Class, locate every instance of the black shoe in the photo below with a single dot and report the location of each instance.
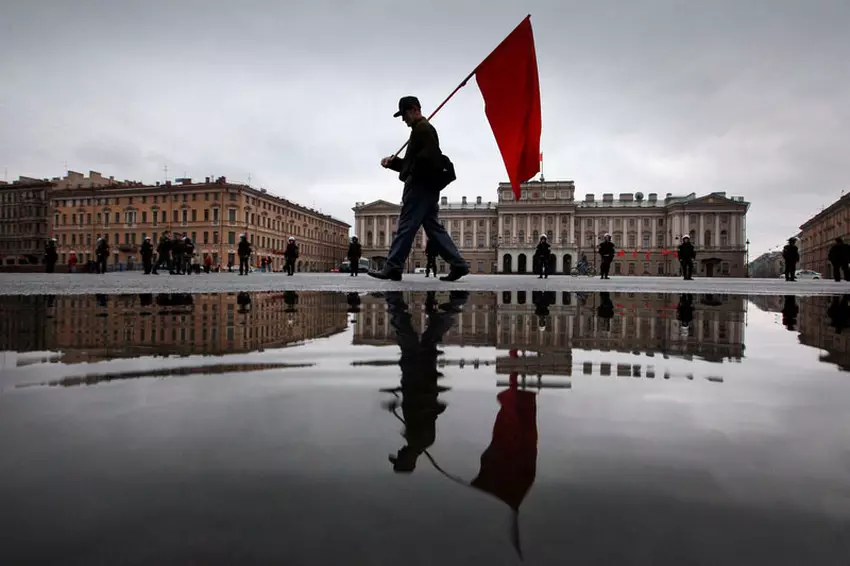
(455, 273)
(540, 277)
(386, 274)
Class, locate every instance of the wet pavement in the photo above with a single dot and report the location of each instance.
(136, 282)
(424, 428)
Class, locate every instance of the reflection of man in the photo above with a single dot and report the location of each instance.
(685, 311)
(605, 310)
(420, 406)
(542, 300)
(839, 313)
(790, 311)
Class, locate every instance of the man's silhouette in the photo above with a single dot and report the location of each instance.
(789, 312)
(605, 310)
(839, 313)
(420, 405)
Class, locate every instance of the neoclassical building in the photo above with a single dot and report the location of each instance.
(500, 237)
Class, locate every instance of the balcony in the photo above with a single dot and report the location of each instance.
(127, 247)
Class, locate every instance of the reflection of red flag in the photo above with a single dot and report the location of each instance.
(510, 85)
(509, 465)
(621, 253)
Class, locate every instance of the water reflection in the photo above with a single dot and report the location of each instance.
(550, 325)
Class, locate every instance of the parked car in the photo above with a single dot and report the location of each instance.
(804, 274)
(345, 266)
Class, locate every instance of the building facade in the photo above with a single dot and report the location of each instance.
(818, 234)
(212, 213)
(500, 237)
(23, 220)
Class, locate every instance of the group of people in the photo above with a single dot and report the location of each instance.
(685, 252)
(839, 259)
(174, 252)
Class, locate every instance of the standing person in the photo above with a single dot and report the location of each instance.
(839, 257)
(291, 254)
(146, 251)
(606, 251)
(163, 251)
(101, 252)
(542, 254)
(431, 257)
(50, 255)
(791, 255)
(188, 253)
(207, 263)
(422, 172)
(687, 254)
(244, 251)
(176, 255)
(355, 250)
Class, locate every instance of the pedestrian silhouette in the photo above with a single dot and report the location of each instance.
(419, 390)
(839, 313)
(353, 300)
(685, 310)
(605, 310)
(790, 310)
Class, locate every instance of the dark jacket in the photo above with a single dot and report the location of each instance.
(542, 250)
(177, 247)
(164, 245)
(423, 159)
(354, 251)
(431, 249)
(146, 249)
(188, 246)
(291, 252)
(838, 254)
(607, 250)
(50, 253)
(102, 248)
(790, 253)
(244, 248)
(687, 251)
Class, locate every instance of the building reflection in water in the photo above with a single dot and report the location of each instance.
(551, 325)
(824, 323)
(90, 328)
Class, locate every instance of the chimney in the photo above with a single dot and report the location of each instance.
(588, 198)
(207, 180)
(653, 197)
(463, 201)
(627, 196)
(186, 181)
(157, 183)
(444, 201)
(608, 197)
(477, 200)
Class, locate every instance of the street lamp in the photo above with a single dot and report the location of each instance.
(748, 257)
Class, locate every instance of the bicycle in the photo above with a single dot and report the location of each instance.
(587, 270)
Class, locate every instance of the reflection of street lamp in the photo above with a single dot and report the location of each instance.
(748, 257)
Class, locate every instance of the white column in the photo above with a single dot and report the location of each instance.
(716, 229)
(527, 227)
(639, 232)
(572, 230)
(460, 243)
(595, 230)
(487, 233)
(474, 232)
(501, 225)
(701, 236)
(558, 229)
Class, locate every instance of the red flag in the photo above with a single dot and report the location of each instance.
(648, 253)
(621, 253)
(634, 253)
(675, 254)
(665, 252)
(510, 85)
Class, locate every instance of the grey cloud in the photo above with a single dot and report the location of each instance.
(747, 97)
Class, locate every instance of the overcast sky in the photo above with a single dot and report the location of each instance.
(745, 96)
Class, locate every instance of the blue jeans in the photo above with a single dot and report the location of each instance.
(420, 207)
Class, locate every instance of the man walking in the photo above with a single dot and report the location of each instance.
(420, 171)
(244, 250)
(542, 254)
(146, 252)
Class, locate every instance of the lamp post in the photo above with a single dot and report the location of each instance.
(748, 257)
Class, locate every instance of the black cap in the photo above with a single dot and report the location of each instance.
(406, 103)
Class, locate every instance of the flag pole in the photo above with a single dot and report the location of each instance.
(458, 87)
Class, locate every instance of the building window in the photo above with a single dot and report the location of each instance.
(707, 239)
(724, 238)
(724, 268)
(144, 217)
(660, 269)
(631, 268)
(231, 237)
(480, 267)
(194, 214)
(206, 237)
(215, 237)
(646, 241)
(164, 217)
(618, 269)
(632, 241)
